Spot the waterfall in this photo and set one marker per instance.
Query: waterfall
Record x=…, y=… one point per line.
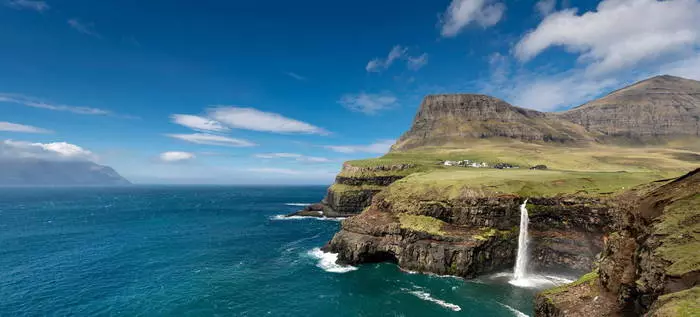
x=520, y=271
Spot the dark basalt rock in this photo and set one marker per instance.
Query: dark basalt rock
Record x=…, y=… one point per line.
x=480, y=235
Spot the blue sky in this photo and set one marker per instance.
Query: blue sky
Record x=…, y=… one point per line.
x=247, y=92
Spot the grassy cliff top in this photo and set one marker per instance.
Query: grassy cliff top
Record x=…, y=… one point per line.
x=673, y=158
x=465, y=182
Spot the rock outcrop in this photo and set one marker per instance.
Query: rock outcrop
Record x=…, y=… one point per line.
x=457, y=118
x=650, y=262
x=354, y=188
x=659, y=106
x=472, y=235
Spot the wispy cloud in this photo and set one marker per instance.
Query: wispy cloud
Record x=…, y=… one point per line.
x=368, y=103
x=462, y=13
x=85, y=28
x=545, y=7
x=269, y=170
x=611, y=38
x=417, y=62
x=39, y=6
x=295, y=156
x=296, y=76
x=379, y=64
x=212, y=139
x=176, y=156
x=256, y=120
x=16, y=127
x=379, y=147
x=37, y=103
x=198, y=123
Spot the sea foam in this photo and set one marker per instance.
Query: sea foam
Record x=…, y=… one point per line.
x=515, y=311
x=298, y=204
x=427, y=297
x=285, y=217
x=326, y=261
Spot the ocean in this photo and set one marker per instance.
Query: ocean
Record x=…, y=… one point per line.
x=206, y=251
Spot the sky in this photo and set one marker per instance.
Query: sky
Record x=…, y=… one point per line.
x=282, y=92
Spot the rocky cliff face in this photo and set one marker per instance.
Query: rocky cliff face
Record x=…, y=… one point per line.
x=650, y=262
x=454, y=119
x=354, y=188
x=659, y=106
x=472, y=235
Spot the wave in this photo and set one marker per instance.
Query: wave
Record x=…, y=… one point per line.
x=427, y=297
x=298, y=204
x=515, y=311
x=285, y=217
x=326, y=261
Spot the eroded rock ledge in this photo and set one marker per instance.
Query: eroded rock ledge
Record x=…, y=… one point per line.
x=650, y=264
x=472, y=235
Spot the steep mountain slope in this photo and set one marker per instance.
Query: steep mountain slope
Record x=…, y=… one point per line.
x=658, y=106
x=456, y=119
x=38, y=172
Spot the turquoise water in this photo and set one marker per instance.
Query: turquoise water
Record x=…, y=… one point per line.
x=205, y=251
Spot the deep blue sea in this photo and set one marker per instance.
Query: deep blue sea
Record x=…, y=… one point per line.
x=205, y=251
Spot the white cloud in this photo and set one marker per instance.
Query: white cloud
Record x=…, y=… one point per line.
x=545, y=7
x=39, y=6
x=16, y=127
x=619, y=34
x=416, y=63
x=377, y=65
x=278, y=155
x=295, y=156
x=198, y=123
x=296, y=76
x=51, y=151
x=461, y=13
x=368, y=103
x=256, y=120
x=267, y=170
x=176, y=156
x=211, y=139
x=380, y=147
x=85, y=28
x=37, y=103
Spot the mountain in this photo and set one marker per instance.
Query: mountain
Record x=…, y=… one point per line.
x=39, y=172
x=456, y=119
x=658, y=106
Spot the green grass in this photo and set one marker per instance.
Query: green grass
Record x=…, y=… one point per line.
x=685, y=303
x=563, y=157
x=680, y=226
x=586, y=278
x=422, y=223
x=341, y=188
x=455, y=184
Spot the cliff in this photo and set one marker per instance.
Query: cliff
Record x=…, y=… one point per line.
x=650, y=262
x=468, y=226
x=455, y=119
x=656, y=107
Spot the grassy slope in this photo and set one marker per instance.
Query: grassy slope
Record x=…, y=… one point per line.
x=681, y=230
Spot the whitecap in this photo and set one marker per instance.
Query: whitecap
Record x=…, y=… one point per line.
x=326, y=261
x=298, y=204
x=285, y=217
x=515, y=311
x=427, y=297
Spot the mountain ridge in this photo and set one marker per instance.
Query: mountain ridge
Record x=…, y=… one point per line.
x=660, y=106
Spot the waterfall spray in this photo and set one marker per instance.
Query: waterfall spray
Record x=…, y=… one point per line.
x=520, y=271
